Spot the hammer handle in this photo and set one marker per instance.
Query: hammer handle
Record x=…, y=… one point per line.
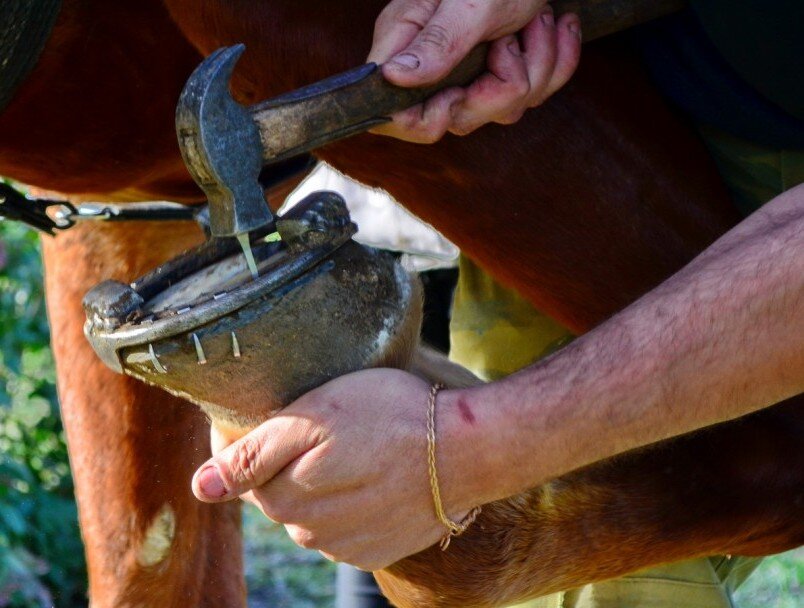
x=361, y=98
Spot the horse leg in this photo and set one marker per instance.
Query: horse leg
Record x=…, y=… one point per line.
x=620, y=515
x=590, y=202
x=133, y=448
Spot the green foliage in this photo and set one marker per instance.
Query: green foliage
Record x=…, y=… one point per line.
x=41, y=558
x=777, y=583
x=278, y=573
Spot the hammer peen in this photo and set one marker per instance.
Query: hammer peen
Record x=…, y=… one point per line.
x=225, y=145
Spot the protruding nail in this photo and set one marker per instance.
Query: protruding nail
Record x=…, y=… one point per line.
x=199, y=351
x=514, y=48
x=547, y=16
x=575, y=28
x=211, y=484
x=406, y=61
x=245, y=245
x=155, y=360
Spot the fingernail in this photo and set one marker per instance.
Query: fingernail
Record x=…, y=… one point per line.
x=514, y=49
x=406, y=61
x=547, y=17
x=211, y=484
x=575, y=28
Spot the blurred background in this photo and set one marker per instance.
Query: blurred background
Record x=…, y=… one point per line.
x=41, y=558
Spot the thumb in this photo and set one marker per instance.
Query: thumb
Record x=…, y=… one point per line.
x=254, y=459
x=441, y=44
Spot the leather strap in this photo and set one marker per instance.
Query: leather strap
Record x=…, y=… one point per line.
x=26, y=27
x=52, y=216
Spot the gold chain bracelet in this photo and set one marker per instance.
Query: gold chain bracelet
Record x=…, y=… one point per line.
x=453, y=528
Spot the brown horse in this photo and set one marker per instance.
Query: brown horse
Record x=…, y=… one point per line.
x=96, y=117
x=624, y=196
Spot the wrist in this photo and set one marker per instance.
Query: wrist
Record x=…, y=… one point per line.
x=502, y=438
x=474, y=454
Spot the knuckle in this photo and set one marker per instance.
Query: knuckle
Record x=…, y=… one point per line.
x=516, y=13
x=511, y=118
x=411, y=123
x=424, y=131
x=420, y=11
x=417, y=12
x=388, y=18
x=467, y=123
x=460, y=131
x=304, y=538
x=438, y=38
x=429, y=136
x=463, y=130
x=245, y=460
x=537, y=100
x=305, y=475
x=278, y=510
x=518, y=88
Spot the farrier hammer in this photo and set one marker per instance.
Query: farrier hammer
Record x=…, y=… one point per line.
x=225, y=145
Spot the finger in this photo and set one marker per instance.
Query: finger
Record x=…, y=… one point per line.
x=303, y=537
x=367, y=552
x=254, y=459
x=515, y=80
x=302, y=491
x=396, y=27
x=249, y=498
x=253, y=500
x=496, y=93
x=425, y=123
x=540, y=53
x=455, y=28
x=568, y=44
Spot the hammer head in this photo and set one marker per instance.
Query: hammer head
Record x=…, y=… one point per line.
x=220, y=144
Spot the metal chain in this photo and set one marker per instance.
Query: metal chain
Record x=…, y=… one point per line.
x=50, y=216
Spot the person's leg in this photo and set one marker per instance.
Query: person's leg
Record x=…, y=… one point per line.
x=691, y=584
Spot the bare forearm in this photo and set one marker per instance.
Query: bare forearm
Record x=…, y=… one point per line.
x=720, y=339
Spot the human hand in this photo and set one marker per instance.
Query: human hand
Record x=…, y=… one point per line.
x=418, y=42
x=344, y=468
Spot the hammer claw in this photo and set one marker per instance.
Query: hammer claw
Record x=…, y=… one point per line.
x=221, y=147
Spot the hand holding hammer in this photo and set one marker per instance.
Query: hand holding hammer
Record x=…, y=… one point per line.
x=225, y=145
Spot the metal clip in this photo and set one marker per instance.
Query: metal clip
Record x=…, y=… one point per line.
x=33, y=211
